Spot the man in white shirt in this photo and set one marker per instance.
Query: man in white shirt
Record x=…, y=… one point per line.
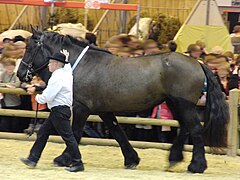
x=59, y=96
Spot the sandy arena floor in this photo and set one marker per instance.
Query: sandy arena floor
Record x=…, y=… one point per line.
x=106, y=163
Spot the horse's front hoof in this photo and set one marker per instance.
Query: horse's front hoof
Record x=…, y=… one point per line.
x=132, y=165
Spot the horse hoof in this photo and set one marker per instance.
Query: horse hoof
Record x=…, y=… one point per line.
x=131, y=166
x=172, y=163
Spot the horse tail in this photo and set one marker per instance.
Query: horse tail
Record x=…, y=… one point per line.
x=216, y=114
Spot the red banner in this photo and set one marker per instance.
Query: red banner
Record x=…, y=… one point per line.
x=71, y=4
x=11, y=1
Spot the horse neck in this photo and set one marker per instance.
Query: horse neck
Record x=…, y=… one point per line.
x=45, y=75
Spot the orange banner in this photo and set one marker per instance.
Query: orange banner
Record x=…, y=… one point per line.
x=71, y=4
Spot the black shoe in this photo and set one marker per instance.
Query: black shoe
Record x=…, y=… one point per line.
x=75, y=168
x=28, y=162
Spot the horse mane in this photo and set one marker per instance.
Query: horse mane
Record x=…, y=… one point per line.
x=84, y=44
x=67, y=40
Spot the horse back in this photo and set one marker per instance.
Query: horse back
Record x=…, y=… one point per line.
x=117, y=84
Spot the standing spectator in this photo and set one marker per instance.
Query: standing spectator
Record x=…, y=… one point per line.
x=37, y=84
x=165, y=134
x=10, y=101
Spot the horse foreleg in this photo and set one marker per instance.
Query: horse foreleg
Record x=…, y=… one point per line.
x=80, y=115
x=131, y=159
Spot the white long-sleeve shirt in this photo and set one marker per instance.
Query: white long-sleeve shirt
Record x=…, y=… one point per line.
x=59, y=90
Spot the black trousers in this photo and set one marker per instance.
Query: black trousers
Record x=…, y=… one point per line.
x=58, y=121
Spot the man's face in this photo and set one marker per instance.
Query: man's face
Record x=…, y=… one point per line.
x=52, y=65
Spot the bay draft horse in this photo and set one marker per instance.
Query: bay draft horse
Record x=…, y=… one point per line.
x=105, y=84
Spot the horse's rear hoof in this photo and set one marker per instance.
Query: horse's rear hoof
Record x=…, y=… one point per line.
x=131, y=166
x=172, y=163
x=197, y=168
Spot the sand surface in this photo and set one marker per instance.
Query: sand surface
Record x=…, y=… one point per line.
x=103, y=163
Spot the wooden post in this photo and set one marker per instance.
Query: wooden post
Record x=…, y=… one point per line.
x=233, y=142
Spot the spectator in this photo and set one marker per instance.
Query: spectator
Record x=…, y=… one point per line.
x=151, y=47
x=172, y=46
x=194, y=51
x=165, y=134
x=202, y=46
x=14, y=49
x=236, y=31
x=10, y=101
x=92, y=38
x=37, y=84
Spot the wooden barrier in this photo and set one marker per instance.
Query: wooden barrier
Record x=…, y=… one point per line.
x=232, y=135
x=93, y=118
x=107, y=142
x=233, y=129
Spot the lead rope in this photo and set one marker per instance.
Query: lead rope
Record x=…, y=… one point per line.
x=35, y=121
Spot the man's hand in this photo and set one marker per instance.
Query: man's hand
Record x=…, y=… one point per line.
x=31, y=90
x=66, y=53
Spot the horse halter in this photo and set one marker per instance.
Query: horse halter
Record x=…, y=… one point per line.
x=30, y=69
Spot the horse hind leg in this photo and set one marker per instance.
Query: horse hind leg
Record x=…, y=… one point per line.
x=131, y=159
x=176, y=150
x=189, y=120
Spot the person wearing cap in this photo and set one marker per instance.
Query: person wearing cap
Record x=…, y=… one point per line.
x=59, y=96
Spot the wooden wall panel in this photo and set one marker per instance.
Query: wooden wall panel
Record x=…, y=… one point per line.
x=110, y=26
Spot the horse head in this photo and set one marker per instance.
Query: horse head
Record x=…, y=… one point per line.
x=35, y=59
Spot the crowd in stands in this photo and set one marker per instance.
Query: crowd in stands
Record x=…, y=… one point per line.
x=224, y=64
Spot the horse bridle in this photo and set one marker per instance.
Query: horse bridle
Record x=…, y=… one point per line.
x=30, y=69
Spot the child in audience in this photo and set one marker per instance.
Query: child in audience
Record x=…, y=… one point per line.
x=36, y=84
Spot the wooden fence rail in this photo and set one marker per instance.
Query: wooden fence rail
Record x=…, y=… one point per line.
x=233, y=136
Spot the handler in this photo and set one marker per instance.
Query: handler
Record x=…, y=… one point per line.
x=59, y=96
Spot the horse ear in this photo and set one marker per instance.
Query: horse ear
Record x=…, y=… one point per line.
x=35, y=32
